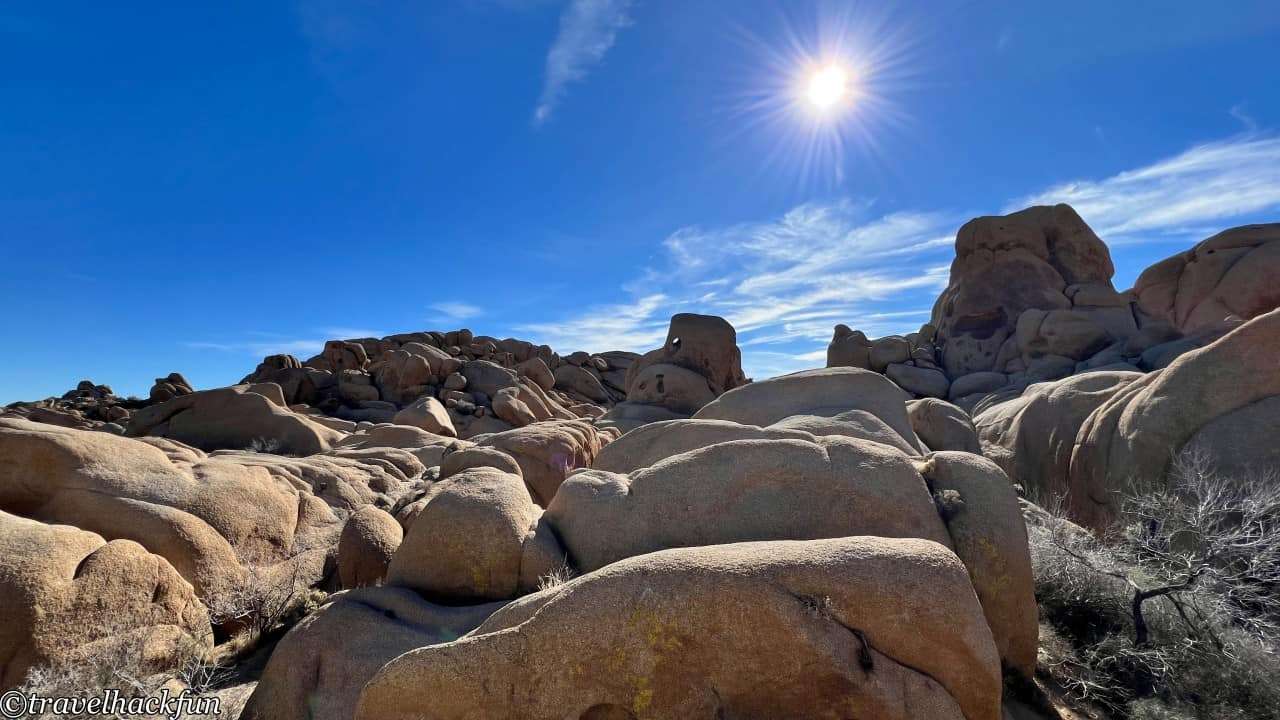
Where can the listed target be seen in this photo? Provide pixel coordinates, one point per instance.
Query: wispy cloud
(1241, 113)
(455, 310)
(588, 29)
(301, 347)
(1205, 185)
(641, 324)
(785, 282)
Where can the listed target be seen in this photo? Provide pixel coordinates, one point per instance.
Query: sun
(827, 88)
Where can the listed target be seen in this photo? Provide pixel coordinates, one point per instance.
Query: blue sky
(190, 186)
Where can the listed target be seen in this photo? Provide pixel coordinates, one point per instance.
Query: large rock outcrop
(1036, 258)
(699, 361)
(863, 627)
(478, 538)
(236, 417)
(547, 452)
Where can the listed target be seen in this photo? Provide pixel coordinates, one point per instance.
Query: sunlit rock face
(699, 362)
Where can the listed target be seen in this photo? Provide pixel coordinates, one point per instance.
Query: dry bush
(559, 575)
(264, 445)
(1174, 613)
(122, 664)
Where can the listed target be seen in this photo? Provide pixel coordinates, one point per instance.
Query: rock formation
(699, 361)
(691, 633)
(1030, 299)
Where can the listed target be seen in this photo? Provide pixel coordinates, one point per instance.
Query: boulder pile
(459, 527)
(452, 383)
(699, 361)
(1030, 299)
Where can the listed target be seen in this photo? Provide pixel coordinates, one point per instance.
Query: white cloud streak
(455, 310)
(588, 29)
(1206, 185)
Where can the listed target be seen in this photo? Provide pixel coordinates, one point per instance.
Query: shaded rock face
(1091, 437)
(1005, 266)
(691, 633)
(943, 426)
(368, 541)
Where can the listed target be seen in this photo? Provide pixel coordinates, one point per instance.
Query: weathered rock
(1031, 436)
(924, 382)
(943, 426)
(849, 348)
(1135, 434)
(64, 591)
(508, 407)
(298, 384)
(1227, 278)
(705, 344)
(888, 350)
(473, 457)
(825, 392)
(1159, 356)
(478, 538)
(428, 414)
(658, 441)
(232, 418)
(877, 628)
(988, 535)
(210, 517)
(318, 669)
(169, 387)
(547, 452)
(1005, 266)
(536, 370)
(1059, 332)
(975, 383)
(858, 424)
(369, 539)
(670, 386)
(775, 489)
(577, 380)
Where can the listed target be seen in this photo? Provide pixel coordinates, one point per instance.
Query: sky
(191, 186)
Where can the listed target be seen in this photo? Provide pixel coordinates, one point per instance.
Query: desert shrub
(1173, 613)
(123, 664)
(559, 575)
(264, 445)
